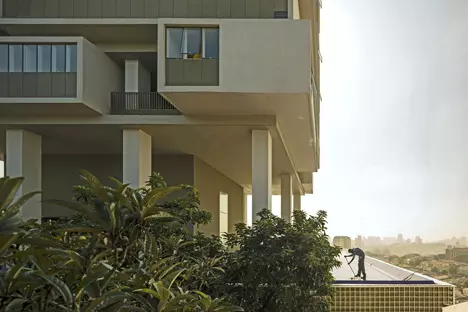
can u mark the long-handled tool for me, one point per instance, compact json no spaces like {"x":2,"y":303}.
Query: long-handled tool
{"x":354,"y":275}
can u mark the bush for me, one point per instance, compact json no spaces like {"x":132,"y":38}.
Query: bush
{"x":131,"y":250}
{"x":123,"y":251}
{"x":279,"y":266}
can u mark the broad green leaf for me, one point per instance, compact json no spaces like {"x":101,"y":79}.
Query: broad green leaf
{"x":61,"y":288}
{"x":9,"y":188}
{"x":15,"y":305}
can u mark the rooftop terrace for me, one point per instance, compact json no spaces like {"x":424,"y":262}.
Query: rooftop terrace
{"x":379,"y":272}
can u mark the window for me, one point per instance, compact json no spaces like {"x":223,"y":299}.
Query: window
{"x":174,"y":42}
{"x":30,"y":58}
{"x":223,"y":213}
{"x":71,"y":58}
{"x":44,"y":58}
{"x":211,"y":43}
{"x":192,"y":43}
{"x":16,"y":58}
{"x":58,"y":58}
{"x":3,"y":58}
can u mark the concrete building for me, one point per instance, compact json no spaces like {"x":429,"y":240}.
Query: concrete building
{"x":389,"y":288}
{"x":220,"y":94}
{"x":457,"y":254}
{"x":342,"y":241}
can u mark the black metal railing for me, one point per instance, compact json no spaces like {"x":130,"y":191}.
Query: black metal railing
{"x":141,"y":103}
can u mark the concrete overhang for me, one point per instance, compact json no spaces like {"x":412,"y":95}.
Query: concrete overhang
{"x":102,"y":30}
{"x":85,"y":91}
{"x":225,"y":143}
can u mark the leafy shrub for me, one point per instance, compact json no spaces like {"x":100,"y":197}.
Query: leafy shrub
{"x":125,"y":250}
{"x":278,"y":266}
{"x":131,"y":250}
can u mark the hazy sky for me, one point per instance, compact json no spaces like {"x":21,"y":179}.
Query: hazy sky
{"x":394,"y":118}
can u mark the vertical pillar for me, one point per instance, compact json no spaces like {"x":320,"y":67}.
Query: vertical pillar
{"x":137,"y":78}
{"x":244,"y":208}
{"x":137,"y":156}
{"x":297,"y":201}
{"x":24,"y":159}
{"x":286,"y":197}
{"x":261,"y":171}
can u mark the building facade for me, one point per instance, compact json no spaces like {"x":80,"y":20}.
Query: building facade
{"x":220,"y":94}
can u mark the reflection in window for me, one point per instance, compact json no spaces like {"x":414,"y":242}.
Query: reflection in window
{"x":3,"y":58}
{"x":192,"y":43}
{"x":71,"y":58}
{"x":44,"y":58}
{"x":29,"y":58}
{"x":16,"y":58}
{"x":174,"y":42}
{"x":58,"y":58}
{"x":211,"y":43}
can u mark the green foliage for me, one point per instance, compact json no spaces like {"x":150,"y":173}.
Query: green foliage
{"x":133,"y":250}
{"x":125,"y":250}
{"x":280,"y":266}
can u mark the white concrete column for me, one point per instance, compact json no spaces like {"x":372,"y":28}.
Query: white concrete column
{"x":137,"y":78}
{"x":261,"y":171}
{"x":297,"y":201}
{"x":137,"y":156}
{"x":24,"y":159}
{"x":286,"y":197}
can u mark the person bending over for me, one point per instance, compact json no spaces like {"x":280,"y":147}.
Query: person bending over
{"x":361,"y":255}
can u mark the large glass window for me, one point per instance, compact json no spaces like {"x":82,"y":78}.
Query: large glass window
{"x":174,"y":42}
{"x":211,"y":43}
{"x":29,"y":58}
{"x":16,"y":58}
{"x":41,"y":58}
{"x":3,"y":58}
{"x":44,"y":58}
{"x":58,"y":58}
{"x":192,"y":43}
{"x":71,"y":58}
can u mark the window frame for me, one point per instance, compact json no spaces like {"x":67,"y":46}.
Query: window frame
{"x":70,"y":59}
{"x":184,"y":43}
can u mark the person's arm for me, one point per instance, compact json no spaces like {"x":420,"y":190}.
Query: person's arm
{"x":352,"y":259}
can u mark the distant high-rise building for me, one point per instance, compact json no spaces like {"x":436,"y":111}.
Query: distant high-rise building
{"x":342,"y":241}
{"x":373,"y":241}
{"x":389,"y":240}
{"x":400,"y":238}
{"x":359,"y":242}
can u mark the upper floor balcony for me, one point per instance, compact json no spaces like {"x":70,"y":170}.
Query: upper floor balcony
{"x":82,"y":9}
{"x":60,"y":76}
{"x":253,"y":67}
{"x":55,"y":76}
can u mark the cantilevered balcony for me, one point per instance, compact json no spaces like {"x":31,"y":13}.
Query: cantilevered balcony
{"x":141,"y":103}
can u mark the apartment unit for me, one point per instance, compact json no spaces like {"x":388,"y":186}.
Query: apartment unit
{"x":220,"y":94}
{"x":389,"y":288}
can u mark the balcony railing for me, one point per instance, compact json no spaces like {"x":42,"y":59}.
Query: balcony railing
{"x":141,"y":103}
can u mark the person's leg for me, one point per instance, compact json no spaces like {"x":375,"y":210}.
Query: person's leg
{"x":359,"y":269}
{"x":362,"y":268}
